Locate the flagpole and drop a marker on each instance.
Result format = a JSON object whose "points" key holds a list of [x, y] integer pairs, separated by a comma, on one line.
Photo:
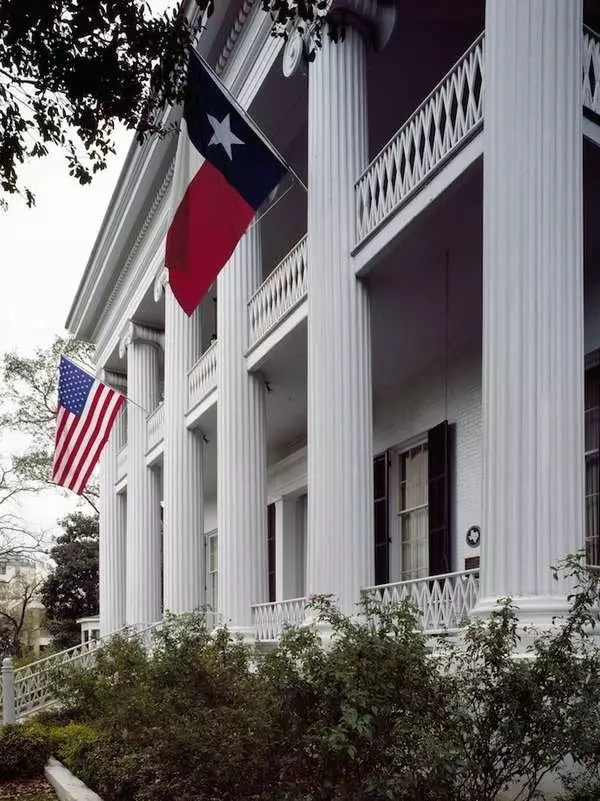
{"points": [[95, 377], [249, 121]]}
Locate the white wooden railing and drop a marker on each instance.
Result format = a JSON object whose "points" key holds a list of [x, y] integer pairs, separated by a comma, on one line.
{"points": [[270, 619], [30, 688], [591, 71], [443, 122], [155, 426], [202, 378], [279, 294], [443, 602], [122, 463]]}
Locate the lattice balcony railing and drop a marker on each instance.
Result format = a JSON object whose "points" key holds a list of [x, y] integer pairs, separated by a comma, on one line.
{"points": [[33, 683], [155, 426], [444, 122], [122, 463], [202, 378], [444, 602], [270, 619], [279, 294], [591, 71]]}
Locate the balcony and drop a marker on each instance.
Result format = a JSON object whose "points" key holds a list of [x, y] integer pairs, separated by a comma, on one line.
{"points": [[270, 619], [279, 297], [441, 125], [202, 378], [122, 463], [443, 603], [591, 71], [446, 123], [155, 426]]}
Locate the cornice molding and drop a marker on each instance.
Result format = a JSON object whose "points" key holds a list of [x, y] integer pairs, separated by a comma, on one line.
{"points": [[142, 231], [233, 35], [134, 332]]}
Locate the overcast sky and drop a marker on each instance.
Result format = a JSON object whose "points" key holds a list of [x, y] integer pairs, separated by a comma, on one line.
{"points": [[44, 252]]}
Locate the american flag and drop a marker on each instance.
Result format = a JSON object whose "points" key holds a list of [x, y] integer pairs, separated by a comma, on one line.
{"points": [[87, 409]]}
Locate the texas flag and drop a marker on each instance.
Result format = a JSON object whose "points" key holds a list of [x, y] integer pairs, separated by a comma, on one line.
{"points": [[223, 172]]}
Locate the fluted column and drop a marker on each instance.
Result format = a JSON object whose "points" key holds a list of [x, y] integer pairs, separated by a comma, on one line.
{"points": [[340, 488], [112, 525], [143, 559], [183, 530], [532, 301], [241, 444]]}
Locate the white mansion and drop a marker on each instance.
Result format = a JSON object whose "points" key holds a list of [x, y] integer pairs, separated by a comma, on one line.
{"points": [[395, 382]]}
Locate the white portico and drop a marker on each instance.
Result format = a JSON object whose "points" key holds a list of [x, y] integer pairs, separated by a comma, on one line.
{"points": [[395, 382]]}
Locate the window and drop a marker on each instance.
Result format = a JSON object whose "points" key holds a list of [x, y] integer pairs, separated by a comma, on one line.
{"points": [[414, 512], [212, 571], [420, 505], [592, 463]]}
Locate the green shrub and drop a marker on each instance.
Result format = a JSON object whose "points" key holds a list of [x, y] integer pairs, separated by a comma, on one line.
{"points": [[23, 752], [371, 716]]}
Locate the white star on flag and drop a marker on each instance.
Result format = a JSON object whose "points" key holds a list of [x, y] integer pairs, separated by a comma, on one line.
{"points": [[223, 135]]}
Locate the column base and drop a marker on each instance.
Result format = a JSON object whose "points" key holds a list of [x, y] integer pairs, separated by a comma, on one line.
{"points": [[246, 633], [322, 629], [531, 610]]}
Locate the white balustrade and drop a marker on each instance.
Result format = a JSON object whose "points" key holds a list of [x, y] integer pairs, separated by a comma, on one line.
{"points": [[279, 294], [442, 124], [591, 71], [443, 602], [270, 619], [122, 463], [33, 683], [156, 426], [202, 378]]}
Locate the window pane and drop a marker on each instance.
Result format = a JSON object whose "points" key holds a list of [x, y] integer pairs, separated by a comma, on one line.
{"points": [[414, 514]]}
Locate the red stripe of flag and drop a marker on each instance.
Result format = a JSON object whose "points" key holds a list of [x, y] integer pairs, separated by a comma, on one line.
{"points": [[80, 430], [79, 487]]}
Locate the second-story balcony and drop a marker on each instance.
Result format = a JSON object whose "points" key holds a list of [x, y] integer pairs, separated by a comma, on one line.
{"points": [[122, 463], [278, 301], [155, 429], [446, 123], [202, 378]]}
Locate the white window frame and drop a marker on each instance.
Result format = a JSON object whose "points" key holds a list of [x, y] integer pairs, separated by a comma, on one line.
{"points": [[212, 570], [398, 512]]}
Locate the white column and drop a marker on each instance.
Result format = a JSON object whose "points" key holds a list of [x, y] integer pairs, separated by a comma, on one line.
{"points": [[532, 301], [340, 482], [286, 549], [183, 532], [241, 444], [143, 558], [112, 525]]}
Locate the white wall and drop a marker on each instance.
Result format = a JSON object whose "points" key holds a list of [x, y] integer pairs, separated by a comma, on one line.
{"points": [[426, 400]]}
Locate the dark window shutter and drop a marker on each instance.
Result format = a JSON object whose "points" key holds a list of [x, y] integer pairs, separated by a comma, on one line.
{"points": [[592, 464], [271, 551], [382, 517], [438, 444]]}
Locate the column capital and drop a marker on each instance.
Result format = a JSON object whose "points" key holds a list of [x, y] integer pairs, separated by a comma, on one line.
{"points": [[375, 19], [160, 283], [114, 379], [134, 332]]}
